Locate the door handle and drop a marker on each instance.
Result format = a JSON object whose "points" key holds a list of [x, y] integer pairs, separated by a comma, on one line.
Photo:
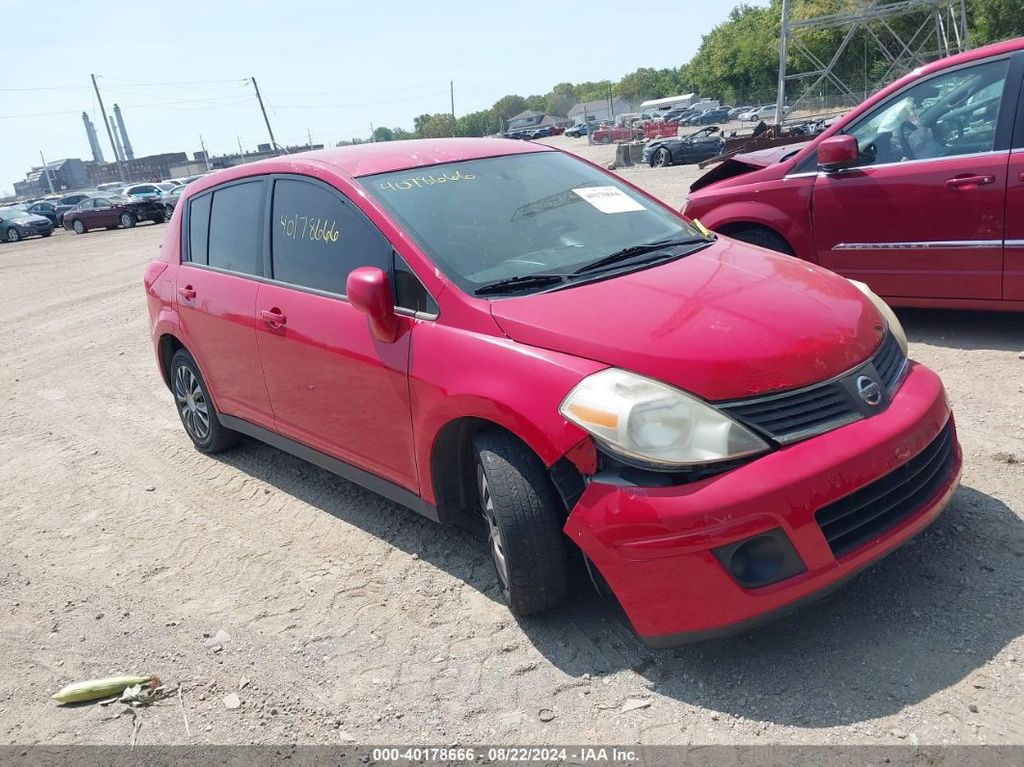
{"points": [[187, 292], [273, 317], [969, 182]]}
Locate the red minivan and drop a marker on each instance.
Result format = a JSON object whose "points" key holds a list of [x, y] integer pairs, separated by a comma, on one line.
{"points": [[919, 191], [487, 328]]}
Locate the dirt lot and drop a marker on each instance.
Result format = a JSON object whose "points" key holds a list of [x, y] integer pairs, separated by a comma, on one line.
{"points": [[123, 549]]}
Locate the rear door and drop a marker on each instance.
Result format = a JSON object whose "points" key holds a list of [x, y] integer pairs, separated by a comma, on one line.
{"points": [[1013, 261], [922, 215], [222, 260], [332, 384]]}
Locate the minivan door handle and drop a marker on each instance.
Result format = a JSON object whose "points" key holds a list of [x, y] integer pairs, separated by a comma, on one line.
{"points": [[187, 292], [969, 182], [273, 317]]}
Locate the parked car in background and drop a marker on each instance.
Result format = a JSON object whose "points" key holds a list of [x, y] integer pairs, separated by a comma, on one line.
{"points": [[919, 191], [697, 147], [111, 212], [735, 112], [67, 202], [17, 224], [45, 208], [712, 116], [170, 199], [461, 349], [143, 191], [542, 132], [766, 112], [606, 134], [577, 130], [111, 187]]}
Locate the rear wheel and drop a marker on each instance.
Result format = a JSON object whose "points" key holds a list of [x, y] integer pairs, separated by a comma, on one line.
{"points": [[524, 523], [127, 220], [195, 408], [13, 235], [79, 227], [765, 238]]}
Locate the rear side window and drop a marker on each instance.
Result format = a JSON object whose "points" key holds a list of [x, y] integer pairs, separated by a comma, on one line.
{"points": [[318, 237], [235, 220], [199, 228]]}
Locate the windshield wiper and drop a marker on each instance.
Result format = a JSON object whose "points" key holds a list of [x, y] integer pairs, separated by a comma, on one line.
{"points": [[523, 282], [636, 250]]}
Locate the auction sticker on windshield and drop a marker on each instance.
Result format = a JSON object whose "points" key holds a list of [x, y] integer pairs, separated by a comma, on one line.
{"points": [[608, 199]]}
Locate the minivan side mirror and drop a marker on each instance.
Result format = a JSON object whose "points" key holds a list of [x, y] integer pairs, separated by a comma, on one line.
{"points": [[837, 152], [369, 291]]}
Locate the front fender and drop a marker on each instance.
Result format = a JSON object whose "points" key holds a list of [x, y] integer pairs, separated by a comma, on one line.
{"points": [[795, 230], [456, 374]]}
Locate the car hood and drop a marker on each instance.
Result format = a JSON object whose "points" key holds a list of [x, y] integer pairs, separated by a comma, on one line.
{"points": [[747, 162], [729, 321], [26, 218]]}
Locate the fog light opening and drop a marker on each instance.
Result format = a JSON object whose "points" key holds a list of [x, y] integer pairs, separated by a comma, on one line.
{"points": [[761, 560]]}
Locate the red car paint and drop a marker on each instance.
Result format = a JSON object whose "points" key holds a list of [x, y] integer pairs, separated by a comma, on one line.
{"points": [[660, 129], [919, 233], [727, 322]]}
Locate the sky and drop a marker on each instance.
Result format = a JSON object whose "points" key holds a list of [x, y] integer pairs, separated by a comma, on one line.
{"points": [[331, 69]]}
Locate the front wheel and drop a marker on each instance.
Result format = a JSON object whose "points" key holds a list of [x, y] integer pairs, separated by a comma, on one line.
{"points": [[195, 408], [764, 238], [13, 235], [524, 523], [45, 234], [79, 227], [127, 220]]}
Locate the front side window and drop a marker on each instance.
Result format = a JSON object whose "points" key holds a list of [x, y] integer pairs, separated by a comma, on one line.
{"points": [[318, 237], [951, 114], [235, 219], [522, 217]]}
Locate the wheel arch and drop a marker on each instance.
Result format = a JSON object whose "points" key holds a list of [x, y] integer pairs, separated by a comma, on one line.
{"points": [[732, 217]]}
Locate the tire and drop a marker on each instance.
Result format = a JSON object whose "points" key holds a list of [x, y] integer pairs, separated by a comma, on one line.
{"points": [[661, 158], [192, 401], [13, 235], [127, 220], [45, 234], [524, 523], [765, 238], [79, 226]]}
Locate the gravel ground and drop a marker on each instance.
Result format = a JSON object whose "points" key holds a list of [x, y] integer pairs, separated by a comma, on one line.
{"points": [[338, 617]]}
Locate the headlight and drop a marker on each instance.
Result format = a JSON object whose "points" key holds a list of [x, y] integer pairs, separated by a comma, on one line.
{"points": [[890, 316], [654, 423]]}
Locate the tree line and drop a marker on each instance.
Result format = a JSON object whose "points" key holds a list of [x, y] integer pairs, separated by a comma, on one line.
{"points": [[737, 61]]}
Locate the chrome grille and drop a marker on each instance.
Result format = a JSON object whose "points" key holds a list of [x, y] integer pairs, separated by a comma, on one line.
{"points": [[801, 413]]}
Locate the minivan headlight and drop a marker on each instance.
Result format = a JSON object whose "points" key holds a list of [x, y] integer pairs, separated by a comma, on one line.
{"points": [[886, 311], [654, 423]]}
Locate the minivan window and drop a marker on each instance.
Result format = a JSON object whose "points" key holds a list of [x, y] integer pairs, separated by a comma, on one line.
{"points": [[318, 238], [235, 221], [520, 216], [951, 114], [199, 228]]}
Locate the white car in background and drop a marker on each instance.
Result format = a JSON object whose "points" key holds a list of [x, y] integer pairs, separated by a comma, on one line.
{"points": [[767, 112]]}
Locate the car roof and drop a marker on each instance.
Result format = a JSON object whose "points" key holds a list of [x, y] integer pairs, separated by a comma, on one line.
{"points": [[382, 157]]}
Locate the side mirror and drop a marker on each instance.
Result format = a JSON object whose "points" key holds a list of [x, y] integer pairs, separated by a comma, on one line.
{"points": [[837, 152], [369, 291]]}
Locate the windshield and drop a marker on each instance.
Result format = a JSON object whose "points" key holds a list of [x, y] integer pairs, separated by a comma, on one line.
{"points": [[503, 218], [14, 213]]}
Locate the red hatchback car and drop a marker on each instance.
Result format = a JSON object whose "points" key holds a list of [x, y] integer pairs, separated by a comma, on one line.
{"points": [[487, 327], [919, 191]]}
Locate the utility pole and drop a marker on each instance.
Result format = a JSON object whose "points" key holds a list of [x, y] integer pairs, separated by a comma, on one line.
{"points": [[373, 135], [110, 135], [452, 84], [611, 106], [781, 96], [309, 138], [46, 170], [273, 144], [239, 140], [206, 155]]}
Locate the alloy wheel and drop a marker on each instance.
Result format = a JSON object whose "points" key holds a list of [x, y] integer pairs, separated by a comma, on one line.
{"points": [[79, 227], [192, 405], [13, 235], [494, 538]]}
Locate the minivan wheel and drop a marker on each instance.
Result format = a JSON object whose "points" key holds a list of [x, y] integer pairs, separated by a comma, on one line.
{"points": [[524, 523], [127, 220], [765, 238], [195, 408], [78, 226], [13, 235]]}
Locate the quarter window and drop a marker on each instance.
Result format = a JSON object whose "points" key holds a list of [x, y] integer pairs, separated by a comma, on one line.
{"points": [[318, 237], [951, 114], [199, 228], [235, 220]]}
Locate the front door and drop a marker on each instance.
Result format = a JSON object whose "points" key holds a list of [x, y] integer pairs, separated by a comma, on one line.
{"points": [[333, 386], [102, 213], [216, 294], [922, 214]]}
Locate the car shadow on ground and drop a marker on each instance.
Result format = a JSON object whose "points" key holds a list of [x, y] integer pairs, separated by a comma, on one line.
{"points": [[1000, 331], [914, 624]]}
